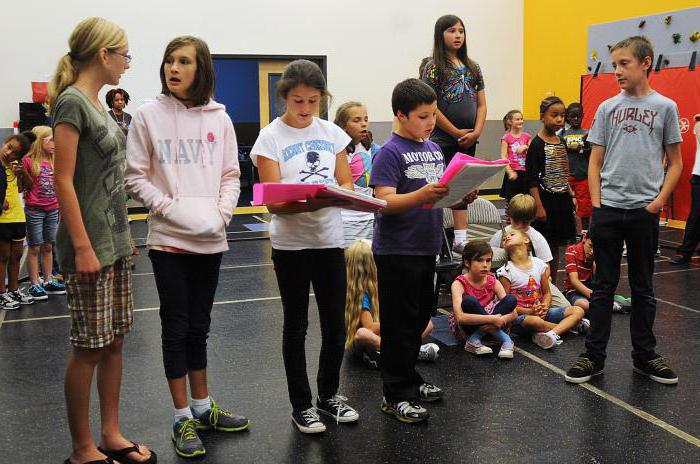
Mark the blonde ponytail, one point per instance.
(87, 39)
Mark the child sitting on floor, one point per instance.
(580, 269)
(362, 308)
(527, 278)
(480, 304)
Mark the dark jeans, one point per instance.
(186, 285)
(610, 227)
(691, 238)
(405, 306)
(471, 305)
(325, 270)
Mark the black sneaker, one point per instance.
(337, 408)
(657, 370)
(405, 411)
(679, 259)
(583, 369)
(307, 421)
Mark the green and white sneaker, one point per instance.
(187, 442)
(222, 420)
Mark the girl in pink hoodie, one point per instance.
(183, 166)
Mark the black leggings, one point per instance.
(186, 285)
(325, 270)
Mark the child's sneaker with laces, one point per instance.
(656, 369)
(583, 369)
(308, 421)
(477, 348)
(506, 351)
(545, 340)
(428, 352)
(37, 292)
(7, 302)
(185, 438)
(20, 297)
(405, 411)
(222, 420)
(430, 392)
(54, 287)
(337, 408)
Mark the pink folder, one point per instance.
(270, 192)
(465, 174)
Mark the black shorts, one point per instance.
(12, 231)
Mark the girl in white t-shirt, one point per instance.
(307, 239)
(527, 278)
(352, 118)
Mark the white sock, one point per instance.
(183, 413)
(199, 407)
(460, 236)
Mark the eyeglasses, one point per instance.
(126, 56)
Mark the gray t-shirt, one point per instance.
(98, 181)
(634, 132)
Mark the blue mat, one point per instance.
(442, 332)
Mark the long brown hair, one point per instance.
(202, 87)
(440, 58)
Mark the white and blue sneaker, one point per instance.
(55, 288)
(37, 292)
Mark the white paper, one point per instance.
(468, 179)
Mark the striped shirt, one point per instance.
(576, 262)
(547, 166)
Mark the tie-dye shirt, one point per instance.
(360, 161)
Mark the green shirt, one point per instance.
(98, 181)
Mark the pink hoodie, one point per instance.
(182, 164)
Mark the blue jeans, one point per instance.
(554, 315)
(41, 225)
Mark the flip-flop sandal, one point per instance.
(100, 461)
(122, 455)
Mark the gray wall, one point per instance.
(685, 22)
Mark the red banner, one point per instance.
(679, 84)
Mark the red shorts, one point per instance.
(584, 208)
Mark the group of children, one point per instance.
(29, 213)
(191, 190)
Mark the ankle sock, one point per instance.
(183, 413)
(199, 407)
(460, 236)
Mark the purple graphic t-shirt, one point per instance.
(407, 165)
(42, 194)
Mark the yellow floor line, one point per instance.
(617, 401)
(239, 210)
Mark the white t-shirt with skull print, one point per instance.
(305, 156)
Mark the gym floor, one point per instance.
(493, 410)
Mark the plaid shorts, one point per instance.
(100, 308)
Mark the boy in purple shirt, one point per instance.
(407, 237)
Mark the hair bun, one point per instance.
(31, 136)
